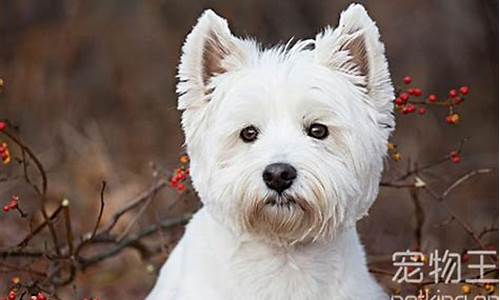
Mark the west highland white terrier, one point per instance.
(287, 147)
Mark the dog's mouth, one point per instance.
(283, 217)
(280, 200)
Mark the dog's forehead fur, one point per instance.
(281, 91)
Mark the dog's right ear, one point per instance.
(209, 50)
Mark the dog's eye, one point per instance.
(317, 131)
(249, 134)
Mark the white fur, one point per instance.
(237, 247)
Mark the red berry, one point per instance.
(6, 208)
(432, 98)
(3, 125)
(411, 91)
(398, 101)
(457, 100)
(41, 296)
(12, 295)
(173, 182)
(180, 176)
(455, 159)
(12, 204)
(404, 97)
(421, 111)
(409, 109)
(465, 258)
(417, 92)
(181, 187)
(453, 119)
(407, 79)
(464, 90)
(453, 93)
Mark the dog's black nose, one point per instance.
(279, 176)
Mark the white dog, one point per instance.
(287, 146)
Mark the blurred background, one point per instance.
(91, 85)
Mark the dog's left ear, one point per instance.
(354, 48)
(209, 50)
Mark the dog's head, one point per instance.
(287, 143)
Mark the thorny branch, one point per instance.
(41, 192)
(65, 262)
(414, 187)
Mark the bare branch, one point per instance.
(101, 210)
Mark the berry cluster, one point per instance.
(13, 295)
(5, 153)
(13, 204)
(180, 174)
(393, 151)
(489, 288)
(408, 101)
(39, 296)
(4, 148)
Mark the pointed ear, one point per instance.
(355, 49)
(209, 50)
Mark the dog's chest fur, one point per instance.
(224, 266)
(278, 273)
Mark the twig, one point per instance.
(420, 217)
(417, 169)
(463, 179)
(441, 197)
(22, 269)
(131, 240)
(34, 232)
(486, 231)
(381, 271)
(32, 156)
(137, 216)
(21, 253)
(43, 192)
(67, 222)
(158, 185)
(101, 210)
